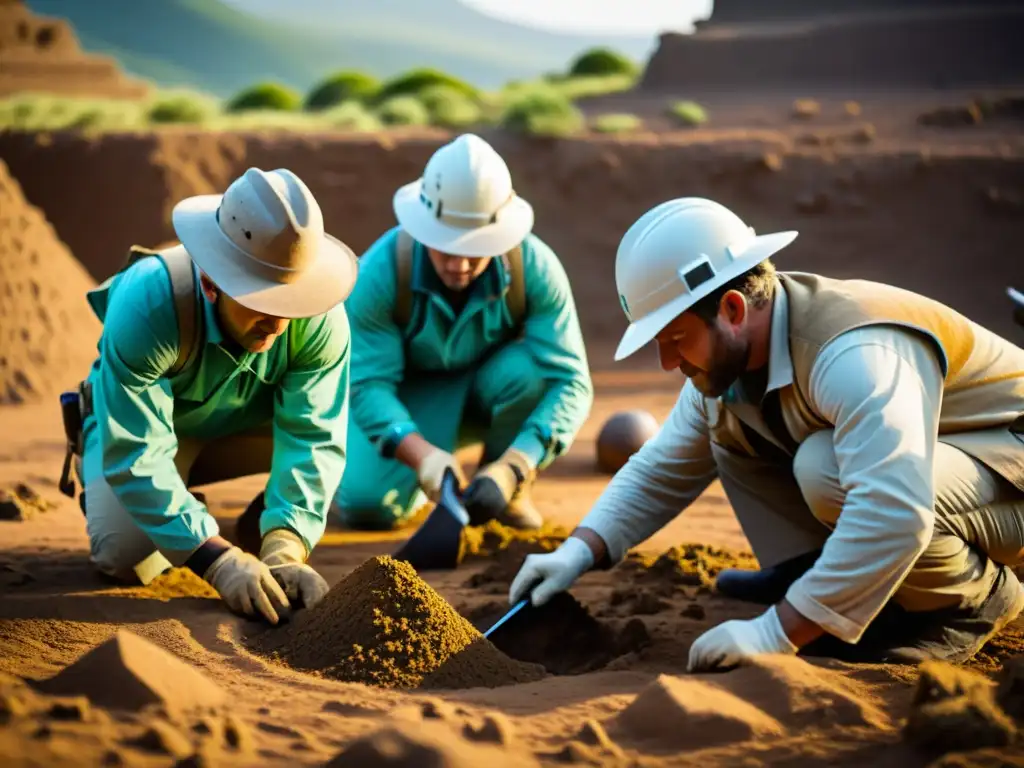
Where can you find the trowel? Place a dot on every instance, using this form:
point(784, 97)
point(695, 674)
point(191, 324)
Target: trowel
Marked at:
point(437, 545)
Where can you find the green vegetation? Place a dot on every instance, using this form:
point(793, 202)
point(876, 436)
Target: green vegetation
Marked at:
point(403, 110)
point(341, 87)
point(354, 101)
point(617, 123)
point(602, 61)
point(265, 96)
point(414, 82)
point(542, 111)
point(687, 113)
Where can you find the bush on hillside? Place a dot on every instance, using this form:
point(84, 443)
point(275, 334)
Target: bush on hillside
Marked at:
point(617, 123)
point(687, 113)
point(351, 116)
point(32, 112)
point(181, 107)
point(265, 96)
point(602, 61)
point(415, 81)
point(449, 107)
point(341, 87)
point(403, 110)
point(542, 111)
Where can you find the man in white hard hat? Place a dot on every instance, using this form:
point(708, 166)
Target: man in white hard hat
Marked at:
point(221, 357)
point(464, 329)
point(866, 437)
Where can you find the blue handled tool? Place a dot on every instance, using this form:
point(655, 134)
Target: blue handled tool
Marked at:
point(512, 612)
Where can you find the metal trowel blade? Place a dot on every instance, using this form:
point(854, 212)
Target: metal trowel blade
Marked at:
point(437, 545)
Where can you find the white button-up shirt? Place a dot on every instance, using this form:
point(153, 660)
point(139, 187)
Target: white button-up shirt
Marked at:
point(881, 388)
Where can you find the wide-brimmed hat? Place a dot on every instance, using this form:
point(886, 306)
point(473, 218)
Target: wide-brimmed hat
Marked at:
point(676, 254)
point(464, 204)
point(263, 243)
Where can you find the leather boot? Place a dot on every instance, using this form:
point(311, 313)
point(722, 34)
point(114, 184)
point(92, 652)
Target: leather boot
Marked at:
point(521, 512)
point(766, 586)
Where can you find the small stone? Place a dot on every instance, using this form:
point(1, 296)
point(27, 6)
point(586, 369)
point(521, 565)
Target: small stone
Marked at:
point(805, 109)
point(495, 729)
point(162, 738)
point(852, 108)
point(76, 710)
point(694, 611)
point(772, 161)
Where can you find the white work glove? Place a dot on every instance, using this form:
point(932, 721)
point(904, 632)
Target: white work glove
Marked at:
point(247, 586)
point(734, 642)
point(431, 472)
point(285, 554)
point(556, 572)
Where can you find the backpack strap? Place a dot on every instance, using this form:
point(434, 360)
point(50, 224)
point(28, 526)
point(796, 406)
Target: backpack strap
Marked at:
point(516, 297)
point(183, 289)
point(403, 278)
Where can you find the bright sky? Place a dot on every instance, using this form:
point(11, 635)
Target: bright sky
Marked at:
point(629, 17)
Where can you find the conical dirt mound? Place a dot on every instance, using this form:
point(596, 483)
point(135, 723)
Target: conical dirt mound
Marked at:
point(128, 672)
point(48, 333)
point(383, 625)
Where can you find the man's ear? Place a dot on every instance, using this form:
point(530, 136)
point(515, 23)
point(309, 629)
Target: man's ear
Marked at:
point(733, 307)
point(210, 290)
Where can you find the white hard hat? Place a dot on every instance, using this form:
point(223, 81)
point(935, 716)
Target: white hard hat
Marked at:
point(675, 255)
point(464, 203)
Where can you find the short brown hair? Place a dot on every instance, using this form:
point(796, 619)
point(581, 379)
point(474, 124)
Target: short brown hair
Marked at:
point(757, 285)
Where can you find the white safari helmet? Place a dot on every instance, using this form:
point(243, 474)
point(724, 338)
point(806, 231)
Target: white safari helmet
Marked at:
point(464, 204)
point(675, 255)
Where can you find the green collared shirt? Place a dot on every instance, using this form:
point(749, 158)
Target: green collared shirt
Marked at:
point(299, 387)
point(439, 339)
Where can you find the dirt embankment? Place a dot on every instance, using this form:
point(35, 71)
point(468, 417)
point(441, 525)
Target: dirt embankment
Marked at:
point(947, 224)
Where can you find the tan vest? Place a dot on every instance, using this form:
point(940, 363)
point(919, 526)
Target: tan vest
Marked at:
point(983, 392)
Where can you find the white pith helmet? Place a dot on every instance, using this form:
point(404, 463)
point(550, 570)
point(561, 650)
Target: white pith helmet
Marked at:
point(675, 255)
point(464, 204)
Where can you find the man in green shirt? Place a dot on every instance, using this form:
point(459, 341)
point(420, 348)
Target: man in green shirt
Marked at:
point(464, 329)
point(225, 356)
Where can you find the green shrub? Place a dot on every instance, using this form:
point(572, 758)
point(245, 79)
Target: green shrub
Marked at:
point(602, 61)
point(415, 81)
point(449, 107)
point(45, 112)
point(595, 85)
point(687, 113)
point(265, 96)
point(542, 111)
point(181, 107)
point(351, 116)
point(341, 87)
point(617, 123)
point(267, 120)
point(403, 110)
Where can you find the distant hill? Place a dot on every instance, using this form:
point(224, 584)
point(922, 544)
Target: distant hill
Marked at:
point(215, 46)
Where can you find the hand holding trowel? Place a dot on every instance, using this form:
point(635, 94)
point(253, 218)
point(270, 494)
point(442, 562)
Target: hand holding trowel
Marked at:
point(437, 545)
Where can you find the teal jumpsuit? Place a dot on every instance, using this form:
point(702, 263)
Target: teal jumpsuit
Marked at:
point(457, 378)
point(297, 391)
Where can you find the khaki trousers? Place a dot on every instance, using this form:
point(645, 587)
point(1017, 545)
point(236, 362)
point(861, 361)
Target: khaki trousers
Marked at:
point(979, 519)
point(120, 548)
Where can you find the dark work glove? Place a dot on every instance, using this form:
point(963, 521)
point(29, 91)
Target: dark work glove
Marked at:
point(494, 486)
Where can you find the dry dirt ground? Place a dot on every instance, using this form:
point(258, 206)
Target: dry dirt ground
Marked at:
point(942, 215)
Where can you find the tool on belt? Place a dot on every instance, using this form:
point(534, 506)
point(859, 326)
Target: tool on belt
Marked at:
point(75, 406)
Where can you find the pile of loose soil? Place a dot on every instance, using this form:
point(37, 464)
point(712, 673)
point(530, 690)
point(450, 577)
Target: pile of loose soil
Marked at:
point(955, 710)
point(130, 673)
point(59, 731)
point(493, 539)
point(560, 635)
point(48, 333)
point(175, 583)
point(383, 625)
point(694, 565)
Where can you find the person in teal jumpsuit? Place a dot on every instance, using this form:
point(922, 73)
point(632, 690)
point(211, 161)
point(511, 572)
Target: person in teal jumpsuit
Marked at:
point(490, 350)
point(224, 356)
